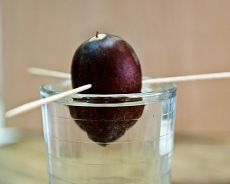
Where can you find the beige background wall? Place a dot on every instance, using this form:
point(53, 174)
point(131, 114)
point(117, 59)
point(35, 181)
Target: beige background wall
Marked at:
point(171, 37)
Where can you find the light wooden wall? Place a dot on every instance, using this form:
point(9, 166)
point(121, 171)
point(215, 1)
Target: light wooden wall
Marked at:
point(171, 37)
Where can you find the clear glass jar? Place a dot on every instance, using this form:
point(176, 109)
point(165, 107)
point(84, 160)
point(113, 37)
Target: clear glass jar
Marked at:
point(110, 139)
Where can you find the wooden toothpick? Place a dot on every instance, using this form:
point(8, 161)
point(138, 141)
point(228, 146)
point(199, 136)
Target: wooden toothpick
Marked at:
point(38, 103)
point(186, 78)
point(48, 73)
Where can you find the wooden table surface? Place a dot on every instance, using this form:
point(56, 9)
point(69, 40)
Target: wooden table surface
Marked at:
point(196, 161)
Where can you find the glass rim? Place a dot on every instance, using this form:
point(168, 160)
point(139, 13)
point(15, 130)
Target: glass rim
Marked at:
point(156, 92)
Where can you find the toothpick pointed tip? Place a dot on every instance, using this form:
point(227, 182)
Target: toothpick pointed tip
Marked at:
point(89, 85)
point(30, 68)
point(7, 115)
